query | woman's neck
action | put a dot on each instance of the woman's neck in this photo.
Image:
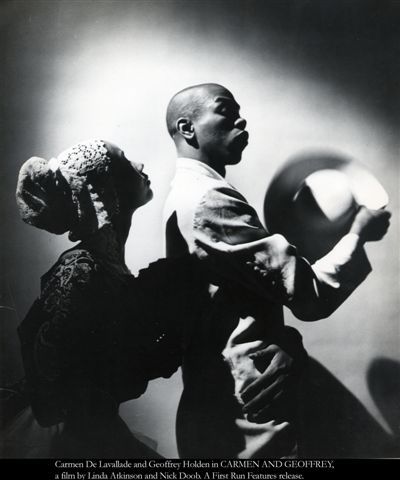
(108, 243)
(122, 225)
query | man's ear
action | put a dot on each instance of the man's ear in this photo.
(185, 127)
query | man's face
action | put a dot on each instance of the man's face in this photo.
(219, 129)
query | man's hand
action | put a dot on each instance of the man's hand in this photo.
(268, 440)
(371, 225)
(273, 394)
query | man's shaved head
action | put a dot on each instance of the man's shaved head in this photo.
(189, 102)
(205, 124)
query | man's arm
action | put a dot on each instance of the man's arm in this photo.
(235, 245)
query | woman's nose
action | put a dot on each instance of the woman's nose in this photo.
(240, 123)
(139, 166)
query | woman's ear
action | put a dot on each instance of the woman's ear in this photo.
(185, 128)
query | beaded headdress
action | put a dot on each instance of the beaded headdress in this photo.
(73, 192)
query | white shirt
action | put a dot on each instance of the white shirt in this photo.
(216, 223)
(206, 216)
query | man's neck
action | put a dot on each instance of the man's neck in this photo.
(203, 159)
(218, 168)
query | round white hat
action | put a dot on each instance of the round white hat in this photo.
(313, 198)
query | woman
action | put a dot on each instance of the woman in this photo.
(96, 335)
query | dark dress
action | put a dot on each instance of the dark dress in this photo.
(94, 338)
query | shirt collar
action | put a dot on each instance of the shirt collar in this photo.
(184, 163)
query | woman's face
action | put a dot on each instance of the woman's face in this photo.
(132, 184)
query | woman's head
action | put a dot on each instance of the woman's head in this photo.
(131, 183)
(81, 190)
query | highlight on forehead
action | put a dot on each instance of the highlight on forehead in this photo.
(188, 103)
(112, 148)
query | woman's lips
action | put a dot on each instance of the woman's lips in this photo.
(145, 178)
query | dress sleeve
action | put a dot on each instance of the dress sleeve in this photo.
(235, 246)
(68, 300)
(51, 333)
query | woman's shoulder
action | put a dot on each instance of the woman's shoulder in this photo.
(75, 268)
(168, 272)
(169, 284)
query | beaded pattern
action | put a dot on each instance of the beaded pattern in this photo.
(85, 157)
(86, 167)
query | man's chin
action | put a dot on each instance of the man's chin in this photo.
(234, 158)
(235, 153)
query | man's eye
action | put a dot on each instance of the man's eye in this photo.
(227, 112)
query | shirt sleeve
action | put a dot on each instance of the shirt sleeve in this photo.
(236, 248)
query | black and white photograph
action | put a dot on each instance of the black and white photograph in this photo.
(200, 235)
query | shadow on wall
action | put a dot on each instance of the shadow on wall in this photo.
(11, 369)
(313, 199)
(335, 424)
(384, 384)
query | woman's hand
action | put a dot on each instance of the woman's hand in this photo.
(272, 395)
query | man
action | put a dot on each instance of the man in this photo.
(249, 275)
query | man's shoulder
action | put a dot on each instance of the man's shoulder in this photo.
(197, 176)
(194, 185)
(191, 197)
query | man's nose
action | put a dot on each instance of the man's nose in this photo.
(240, 123)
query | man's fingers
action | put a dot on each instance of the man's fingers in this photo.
(266, 354)
(265, 380)
(385, 220)
(250, 428)
(265, 397)
(268, 412)
(382, 226)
